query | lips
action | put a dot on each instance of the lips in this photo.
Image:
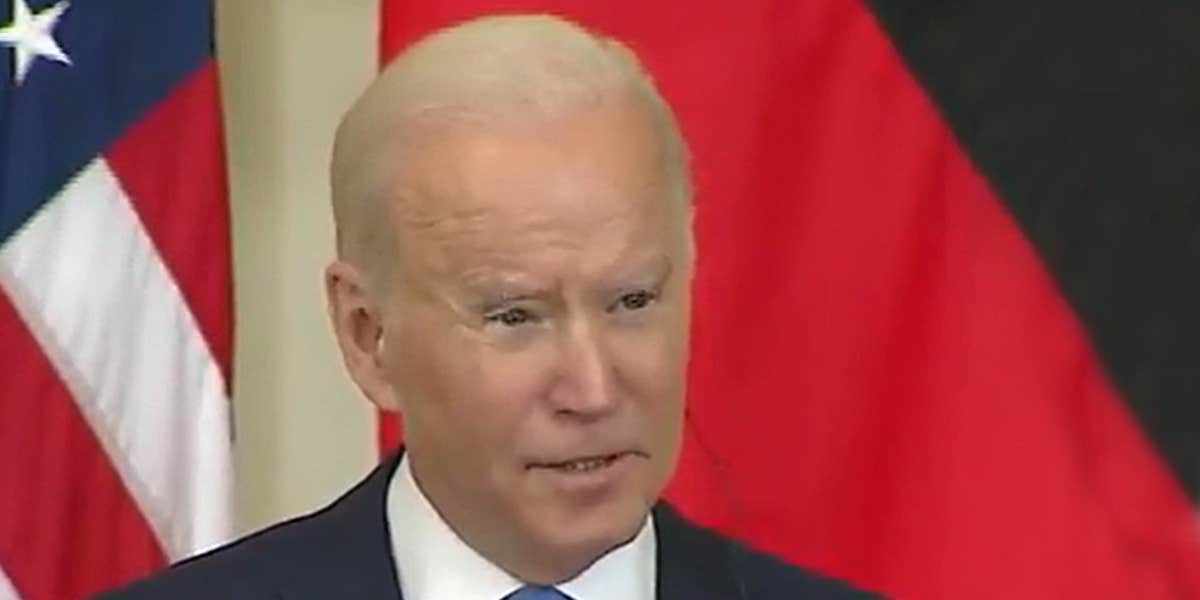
(584, 464)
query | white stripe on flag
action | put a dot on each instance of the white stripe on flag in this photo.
(86, 278)
(7, 591)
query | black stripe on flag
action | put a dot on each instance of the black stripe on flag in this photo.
(1085, 116)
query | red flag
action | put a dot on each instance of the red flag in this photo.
(891, 381)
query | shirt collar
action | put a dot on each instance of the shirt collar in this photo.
(626, 572)
(433, 563)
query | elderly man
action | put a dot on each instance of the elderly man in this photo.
(514, 252)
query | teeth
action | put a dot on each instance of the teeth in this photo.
(585, 465)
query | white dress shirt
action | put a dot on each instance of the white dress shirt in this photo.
(433, 563)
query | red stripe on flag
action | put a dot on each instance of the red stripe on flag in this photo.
(68, 527)
(891, 386)
(172, 164)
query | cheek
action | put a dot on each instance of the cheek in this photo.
(495, 392)
(652, 374)
(651, 367)
(437, 378)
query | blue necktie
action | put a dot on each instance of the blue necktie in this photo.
(532, 592)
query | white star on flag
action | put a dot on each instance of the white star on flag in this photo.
(32, 35)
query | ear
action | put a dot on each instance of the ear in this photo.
(358, 326)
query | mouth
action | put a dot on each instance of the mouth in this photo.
(585, 464)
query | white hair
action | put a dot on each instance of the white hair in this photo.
(487, 70)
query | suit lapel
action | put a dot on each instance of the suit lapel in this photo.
(693, 564)
(347, 552)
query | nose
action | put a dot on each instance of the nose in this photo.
(585, 387)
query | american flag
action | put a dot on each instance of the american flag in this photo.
(115, 326)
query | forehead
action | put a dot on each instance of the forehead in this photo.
(598, 175)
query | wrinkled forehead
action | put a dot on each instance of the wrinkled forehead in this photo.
(600, 172)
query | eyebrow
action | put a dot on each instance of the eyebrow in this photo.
(497, 289)
(488, 287)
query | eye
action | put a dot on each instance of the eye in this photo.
(635, 300)
(511, 317)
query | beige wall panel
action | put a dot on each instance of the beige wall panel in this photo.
(289, 69)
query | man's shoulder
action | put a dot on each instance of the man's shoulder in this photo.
(768, 578)
(344, 546)
(730, 569)
(246, 568)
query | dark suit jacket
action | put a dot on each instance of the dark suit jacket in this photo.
(344, 551)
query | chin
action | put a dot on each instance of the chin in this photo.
(577, 538)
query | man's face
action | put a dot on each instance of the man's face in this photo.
(535, 335)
